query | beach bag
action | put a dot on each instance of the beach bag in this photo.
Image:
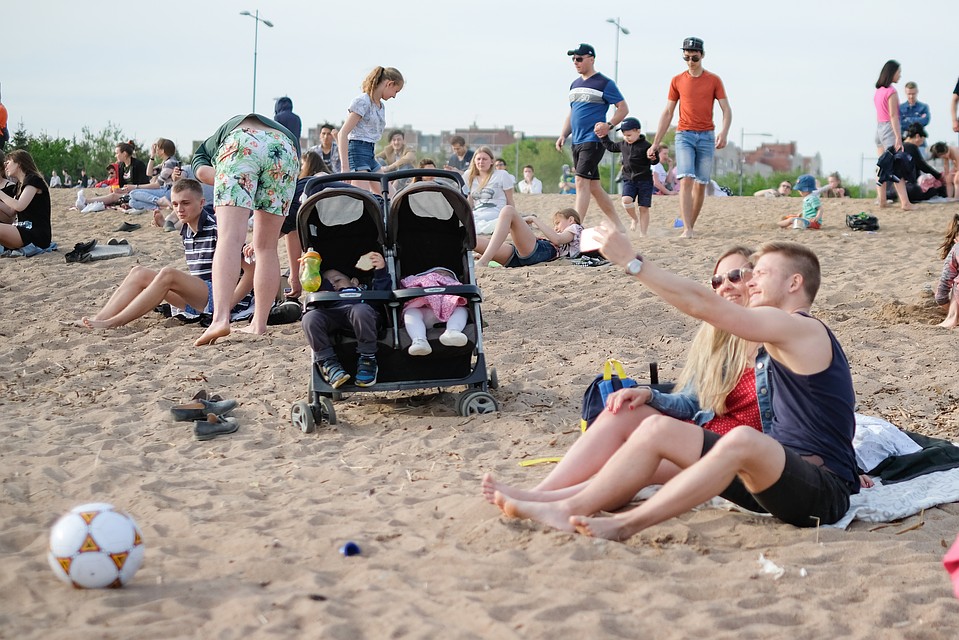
(862, 221)
(613, 378)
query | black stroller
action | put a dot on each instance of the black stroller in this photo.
(425, 225)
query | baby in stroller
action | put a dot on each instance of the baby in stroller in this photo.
(450, 309)
(320, 323)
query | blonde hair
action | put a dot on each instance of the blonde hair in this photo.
(717, 358)
(380, 75)
(472, 172)
(951, 232)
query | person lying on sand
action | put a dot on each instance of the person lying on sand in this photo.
(143, 288)
(802, 472)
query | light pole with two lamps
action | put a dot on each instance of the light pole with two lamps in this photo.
(619, 29)
(742, 137)
(256, 37)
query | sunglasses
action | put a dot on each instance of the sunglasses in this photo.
(578, 58)
(735, 276)
(692, 58)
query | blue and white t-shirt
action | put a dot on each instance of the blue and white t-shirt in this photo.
(372, 119)
(589, 100)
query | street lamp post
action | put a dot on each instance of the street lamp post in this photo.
(518, 137)
(256, 38)
(619, 29)
(742, 137)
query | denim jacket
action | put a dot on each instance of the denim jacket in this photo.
(684, 405)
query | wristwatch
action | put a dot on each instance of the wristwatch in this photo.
(634, 266)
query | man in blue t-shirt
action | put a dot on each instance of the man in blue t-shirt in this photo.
(589, 98)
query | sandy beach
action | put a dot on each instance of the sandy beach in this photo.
(243, 531)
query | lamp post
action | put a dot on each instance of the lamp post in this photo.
(619, 29)
(518, 137)
(256, 38)
(742, 137)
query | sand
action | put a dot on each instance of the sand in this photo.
(243, 532)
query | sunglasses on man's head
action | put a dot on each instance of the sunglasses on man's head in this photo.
(735, 276)
(692, 58)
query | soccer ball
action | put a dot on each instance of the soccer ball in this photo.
(95, 546)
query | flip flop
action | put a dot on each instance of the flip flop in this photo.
(199, 409)
(214, 426)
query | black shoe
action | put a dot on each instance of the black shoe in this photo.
(285, 313)
(366, 371)
(127, 226)
(333, 373)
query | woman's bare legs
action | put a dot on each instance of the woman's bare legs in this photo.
(509, 223)
(232, 225)
(266, 276)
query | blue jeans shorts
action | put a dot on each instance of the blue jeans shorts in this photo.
(641, 191)
(694, 155)
(360, 156)
(208, 309)
(544, 252)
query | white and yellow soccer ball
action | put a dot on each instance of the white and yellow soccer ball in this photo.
(94, 546)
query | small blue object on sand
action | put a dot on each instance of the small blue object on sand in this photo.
(350, 549)
(678, 224)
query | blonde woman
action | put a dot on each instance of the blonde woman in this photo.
(720, 384)
(490, 191)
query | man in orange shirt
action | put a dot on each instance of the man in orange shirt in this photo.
(695, 90)
(4, 132)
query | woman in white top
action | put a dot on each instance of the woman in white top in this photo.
(490, 191)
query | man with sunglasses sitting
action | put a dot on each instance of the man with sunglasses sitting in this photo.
(589, 98)
(695, 90)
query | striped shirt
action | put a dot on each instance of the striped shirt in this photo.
(199, 247)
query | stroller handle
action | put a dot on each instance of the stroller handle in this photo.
(384, 178)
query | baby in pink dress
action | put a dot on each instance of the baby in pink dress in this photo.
(432, 309)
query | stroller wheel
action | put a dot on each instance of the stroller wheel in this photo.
(472, 402)
(493, 378)
(327, 411)
(301, 415)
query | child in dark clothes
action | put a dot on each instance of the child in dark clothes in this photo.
(637, 174)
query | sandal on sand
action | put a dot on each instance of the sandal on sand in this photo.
(214, 426)
(199, 409)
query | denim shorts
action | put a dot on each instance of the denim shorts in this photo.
(544, 252)
(208, 309)
(805, 495)
(255, 170)
(361, 157)
(641, 191)
(694, 155)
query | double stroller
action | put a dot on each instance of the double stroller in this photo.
(425, 225)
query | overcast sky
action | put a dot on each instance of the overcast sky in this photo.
(802, 72)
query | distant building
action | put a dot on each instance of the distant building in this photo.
(780, 157)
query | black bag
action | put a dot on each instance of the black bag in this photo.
(862, 221)
(612, 379)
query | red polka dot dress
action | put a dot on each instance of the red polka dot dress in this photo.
(741, 407)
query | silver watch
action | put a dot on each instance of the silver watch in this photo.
(634, 266)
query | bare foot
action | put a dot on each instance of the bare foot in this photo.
(213, 333)
(93, 323)
(948, 324)
(482, 263)
(552, 514)
(908, 207)
(632, 225)
(688, 233)
(607, 528)
(256, 331)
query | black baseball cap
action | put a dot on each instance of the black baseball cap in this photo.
(628, 124)
(693, 44)
(582, 50)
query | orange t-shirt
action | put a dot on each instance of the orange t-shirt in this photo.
(3, 116)
(695, 96)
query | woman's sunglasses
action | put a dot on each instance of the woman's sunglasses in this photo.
(735, 276)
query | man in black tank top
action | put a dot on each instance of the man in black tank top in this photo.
(802, 472)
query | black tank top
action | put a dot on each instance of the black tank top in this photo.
(814, 414)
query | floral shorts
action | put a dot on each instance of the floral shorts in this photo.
(255, 170)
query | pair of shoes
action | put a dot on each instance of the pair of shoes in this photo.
(199, 408)
(366, 371)
(126, 226)
(93, 207)
(12, 253)
(80, 249)
(169, 226)
(333, 373)
(114, 241)
(286, 312)
(453, 338)
(214, 426)
(420, 347)
(81, 200)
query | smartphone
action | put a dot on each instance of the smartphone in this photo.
(588, 240)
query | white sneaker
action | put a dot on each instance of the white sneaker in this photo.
(81, 200)
(453, 338)
(93, 207)
(420, 347)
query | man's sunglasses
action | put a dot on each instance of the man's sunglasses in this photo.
(578, 58)
(693, 58)
(735, 276)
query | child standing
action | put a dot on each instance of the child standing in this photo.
(367, 120)
(637, 174)
(419, 312)
(562, 241)
(811, 217)
(320, 323)
(946, 292)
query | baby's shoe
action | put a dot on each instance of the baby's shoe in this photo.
(453, 338)
(420, 347)
(333, 373)
(366, 371)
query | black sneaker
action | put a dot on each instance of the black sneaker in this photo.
(333, 373)
(366, 371)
